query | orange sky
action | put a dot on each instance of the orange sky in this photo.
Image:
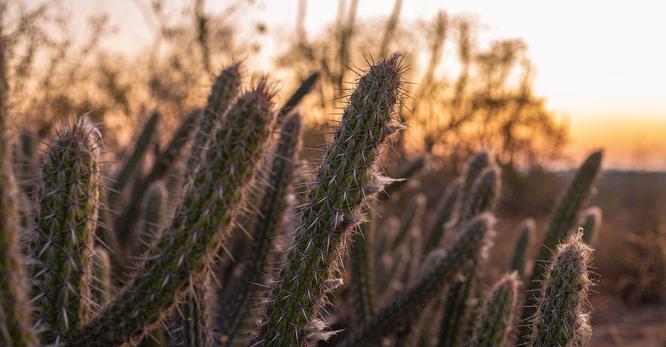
(600, 63)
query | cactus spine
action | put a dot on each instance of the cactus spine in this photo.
(526, 232)
(15, 322)
(237, 313)
(496, 317)
(332, 204)
(66, 224)
(562, 221)
(438, 270)
(562, 317)
(200, 225)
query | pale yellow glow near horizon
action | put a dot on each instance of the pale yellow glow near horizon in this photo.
(601, 64)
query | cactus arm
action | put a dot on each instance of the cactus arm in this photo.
(199, 227)
(332, 205)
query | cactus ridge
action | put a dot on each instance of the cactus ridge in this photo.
(438, 270)
(332, 205)
(562, 315)
(199, 227)
(65, 229)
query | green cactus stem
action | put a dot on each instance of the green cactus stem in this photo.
(495, 320)
(343, 181)
(225, 88)
(65, 230)
(526, 231)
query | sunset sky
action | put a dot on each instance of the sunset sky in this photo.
(601, 64)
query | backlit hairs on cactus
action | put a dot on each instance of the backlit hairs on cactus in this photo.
(332, 205)
(495, 320)
(438, 270)
(66, 222)
(562, 315)
(15, 321)
(200, 225)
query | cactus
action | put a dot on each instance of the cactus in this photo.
(362, 266)
(561, 223)
(481, 198)
(140, 148)
(496, 317)
(331, 210)
(190, 317)
(101, 286)
(66, 224)
(439, 269)
(473, 169)
(562, 317)
(15, 321)
(189, 322)
(199, 227)
(224, 90)
(591, 222)
(237, 313)
(526, 232)
(164, 163)
(295, 99)
(444, 214)
(411, 216)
